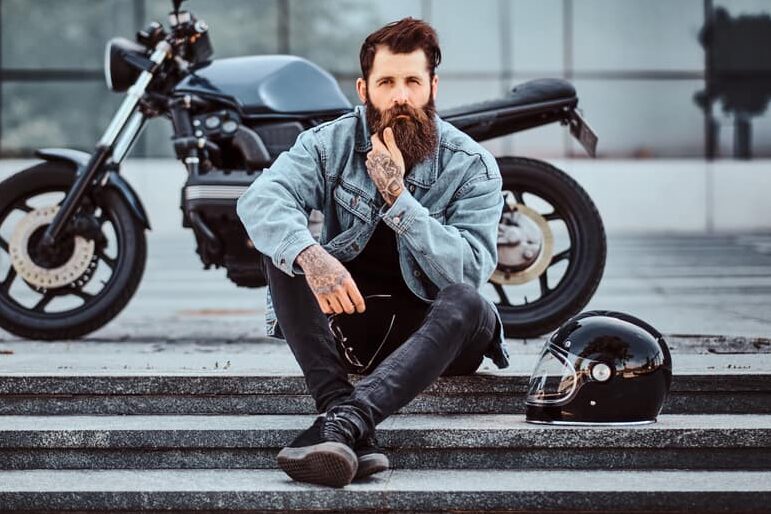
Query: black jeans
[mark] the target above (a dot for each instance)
(449, 337)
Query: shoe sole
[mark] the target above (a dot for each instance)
(371, 464)
(328, 463)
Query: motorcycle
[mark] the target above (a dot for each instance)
(75, 229)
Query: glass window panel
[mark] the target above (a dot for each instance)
(348, 87)
(40, 114)
(537, 36)
(236, 27)
(642, 118)
(454, 92)
(330, 33)
(73, 32)
(617, 35)
(155, 140)
(397, 9)
(470, 35)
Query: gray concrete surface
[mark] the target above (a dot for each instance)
(716, 285)
(445, 430)
(413, 442)
(399, 490)
(264, 357)
(190, 342)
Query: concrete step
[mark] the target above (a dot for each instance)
(737, 389)
(399, 490)
(728, 442)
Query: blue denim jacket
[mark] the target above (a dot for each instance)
(446, 219)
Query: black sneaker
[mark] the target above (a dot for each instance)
(322, 454)
(372, 458)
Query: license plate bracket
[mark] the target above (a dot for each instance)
(581, 130)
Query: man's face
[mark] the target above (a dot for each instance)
(400, 93)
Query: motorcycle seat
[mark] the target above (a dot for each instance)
(533, 92)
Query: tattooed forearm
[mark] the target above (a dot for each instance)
(387, 175)
(324, 273)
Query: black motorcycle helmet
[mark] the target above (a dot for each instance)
(600, 367)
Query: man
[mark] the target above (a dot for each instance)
(411, 208)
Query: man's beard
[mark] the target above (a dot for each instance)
(415, 135)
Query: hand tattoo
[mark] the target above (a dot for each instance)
(324, 273)
(387, 175)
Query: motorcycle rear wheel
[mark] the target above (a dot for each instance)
(568, 264)
(125, 267)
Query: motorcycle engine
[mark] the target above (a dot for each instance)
(209, 208)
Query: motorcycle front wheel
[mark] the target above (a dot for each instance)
(86, 279)
(551, 248)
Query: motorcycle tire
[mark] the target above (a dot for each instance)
(587, 247)
(127, 266)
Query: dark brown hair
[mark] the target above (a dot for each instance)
(402, 37)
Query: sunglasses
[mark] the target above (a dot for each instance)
(350, 328)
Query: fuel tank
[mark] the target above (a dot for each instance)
(267, 84)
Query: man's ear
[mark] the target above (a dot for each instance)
(361, 89)
(434, 86)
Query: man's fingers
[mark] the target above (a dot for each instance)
(345, 302)
(324, 304)
(334, 302)
(388, 136)
(355, 295)
(390, 142)
(377, 145)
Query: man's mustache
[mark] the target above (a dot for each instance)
(414, 115)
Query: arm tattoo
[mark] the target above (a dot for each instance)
(387, 175)
(324, 273)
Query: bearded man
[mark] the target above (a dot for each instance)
(411, 208)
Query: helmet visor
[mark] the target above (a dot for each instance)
(554, 378)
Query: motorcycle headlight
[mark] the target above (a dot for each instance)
(118, 74)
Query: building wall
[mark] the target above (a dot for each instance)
(636, 65)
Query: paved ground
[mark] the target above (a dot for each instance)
(695, 285)
(710, 294)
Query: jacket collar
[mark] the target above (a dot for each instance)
(423, 173)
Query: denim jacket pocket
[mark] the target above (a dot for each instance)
(351, 205)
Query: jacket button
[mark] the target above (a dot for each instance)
(396, 219)
(416, 273)
(412, 188)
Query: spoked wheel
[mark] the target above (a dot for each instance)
(81, 283)
(551, 248)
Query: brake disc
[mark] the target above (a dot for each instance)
(76, 266)
(525, 244)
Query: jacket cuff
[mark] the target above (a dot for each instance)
(402, 212)
(286, 255)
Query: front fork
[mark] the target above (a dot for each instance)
(116, 142)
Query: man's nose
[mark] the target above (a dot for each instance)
(401, 96)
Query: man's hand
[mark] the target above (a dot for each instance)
(385, 166)
(330, 282)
